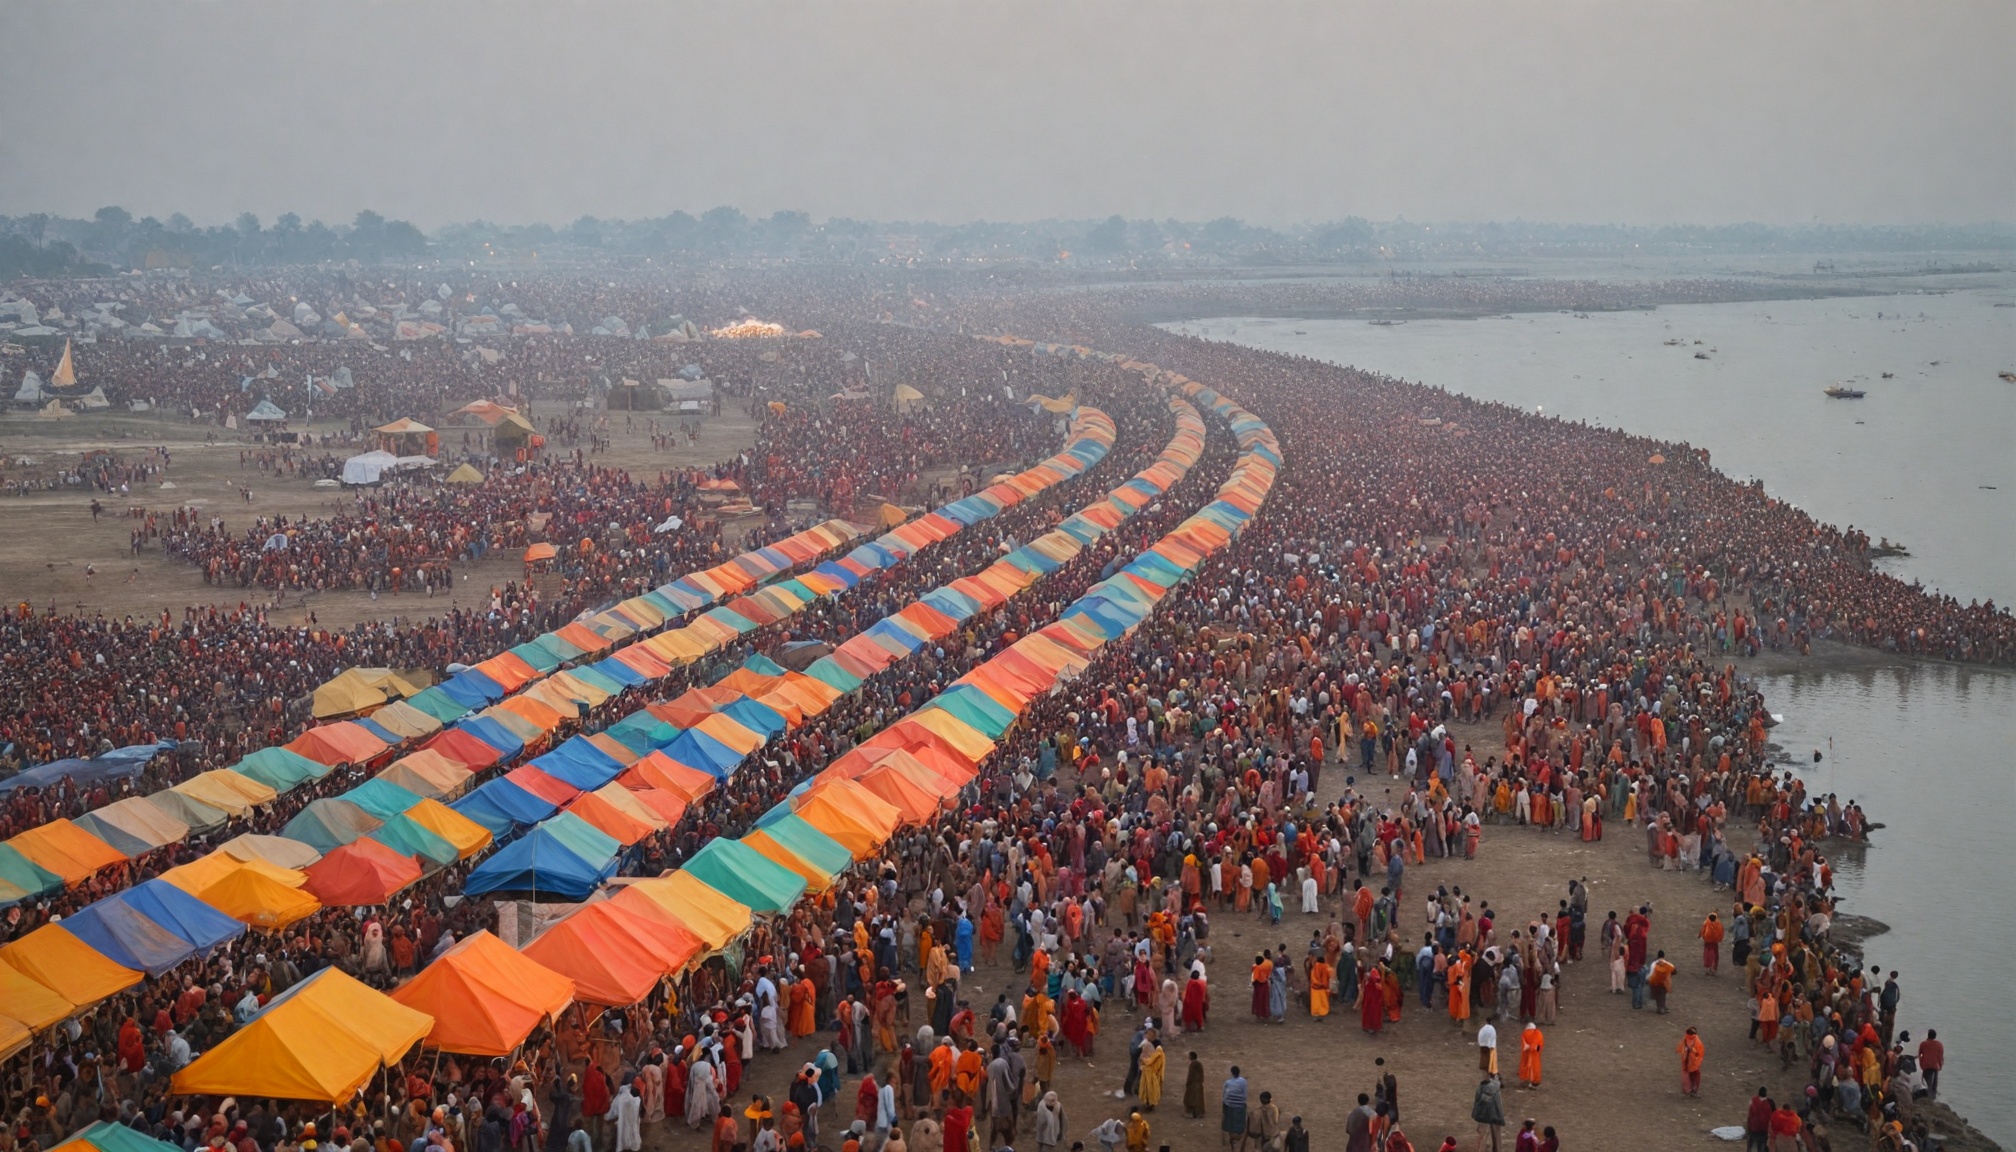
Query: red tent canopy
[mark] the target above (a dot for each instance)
(361, 872)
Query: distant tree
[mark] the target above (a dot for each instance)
(180, 223)
(248, 224)
(403, 240)
(1224, 232)
(587, 232)
(1108, 236)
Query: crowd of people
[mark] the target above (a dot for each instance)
(1216, 764)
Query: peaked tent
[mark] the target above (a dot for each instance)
(485, 996)
(122, 934)
(322, 1040)
(360, 873)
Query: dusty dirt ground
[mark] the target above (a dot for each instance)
(1612, 1076)
(50, 538)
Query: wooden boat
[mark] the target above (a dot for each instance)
(1843, 392)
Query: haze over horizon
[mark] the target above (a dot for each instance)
(1712, 112)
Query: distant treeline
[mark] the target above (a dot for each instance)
(45, 245)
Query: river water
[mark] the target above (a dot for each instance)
(1928, 459)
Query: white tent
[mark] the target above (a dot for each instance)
(266, 410)
(368, 468)
(30, 391)
(95, 398)
(371, 467)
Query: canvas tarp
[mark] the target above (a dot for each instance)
(122, 934)
(614, 954)
(790, 841)
(461, 833)
(54, 958)
(717, 919)
(278, 851)
(851, 815)
(485, 996)
(360, 873)
(427, 773)
(133, 826)
(106, 1136)
(246, 894)
(224, 789)
(746, 876)
(67, 850)
(280, 769)
(320, 1041)
(30, 1002)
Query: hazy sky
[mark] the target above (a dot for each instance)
(1627, 111)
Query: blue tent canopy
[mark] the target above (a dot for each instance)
(951, 602)
(696, 749)
(834, 570)
(494, 734)
(580, 764)
(502, 807)
(902, 637)
(614, 669)
(118, 764)
(471, 688)
(540, 862)
(122, 935)
(201, 925)
(756, 716)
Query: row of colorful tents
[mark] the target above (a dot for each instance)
(523, 695)
(363, 847)
(710, 730)
(326, 1038)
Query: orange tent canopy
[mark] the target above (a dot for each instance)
(67, 966)
(485, 996)
(625, 828)
(913, 791)
(714, 918)
(60, 846)
(508, 671)
(667, 806)
(856, 818)
(614, 954)
(661, 771)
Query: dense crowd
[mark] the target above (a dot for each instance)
(1405, 578)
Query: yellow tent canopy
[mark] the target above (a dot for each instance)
(230, 791)
(204, 871)
(465, 834)
(66, 370)
(346, 694)
(29, 1002)
(466, 474)
(67, 966)
(250, 896)
(322, 1040)
(714, 918)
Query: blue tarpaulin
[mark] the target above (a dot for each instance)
(696, 749)
(502, 807)
(117, 931)
(541, 862)
(201, 925)
(118, 764)
(494, 734)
